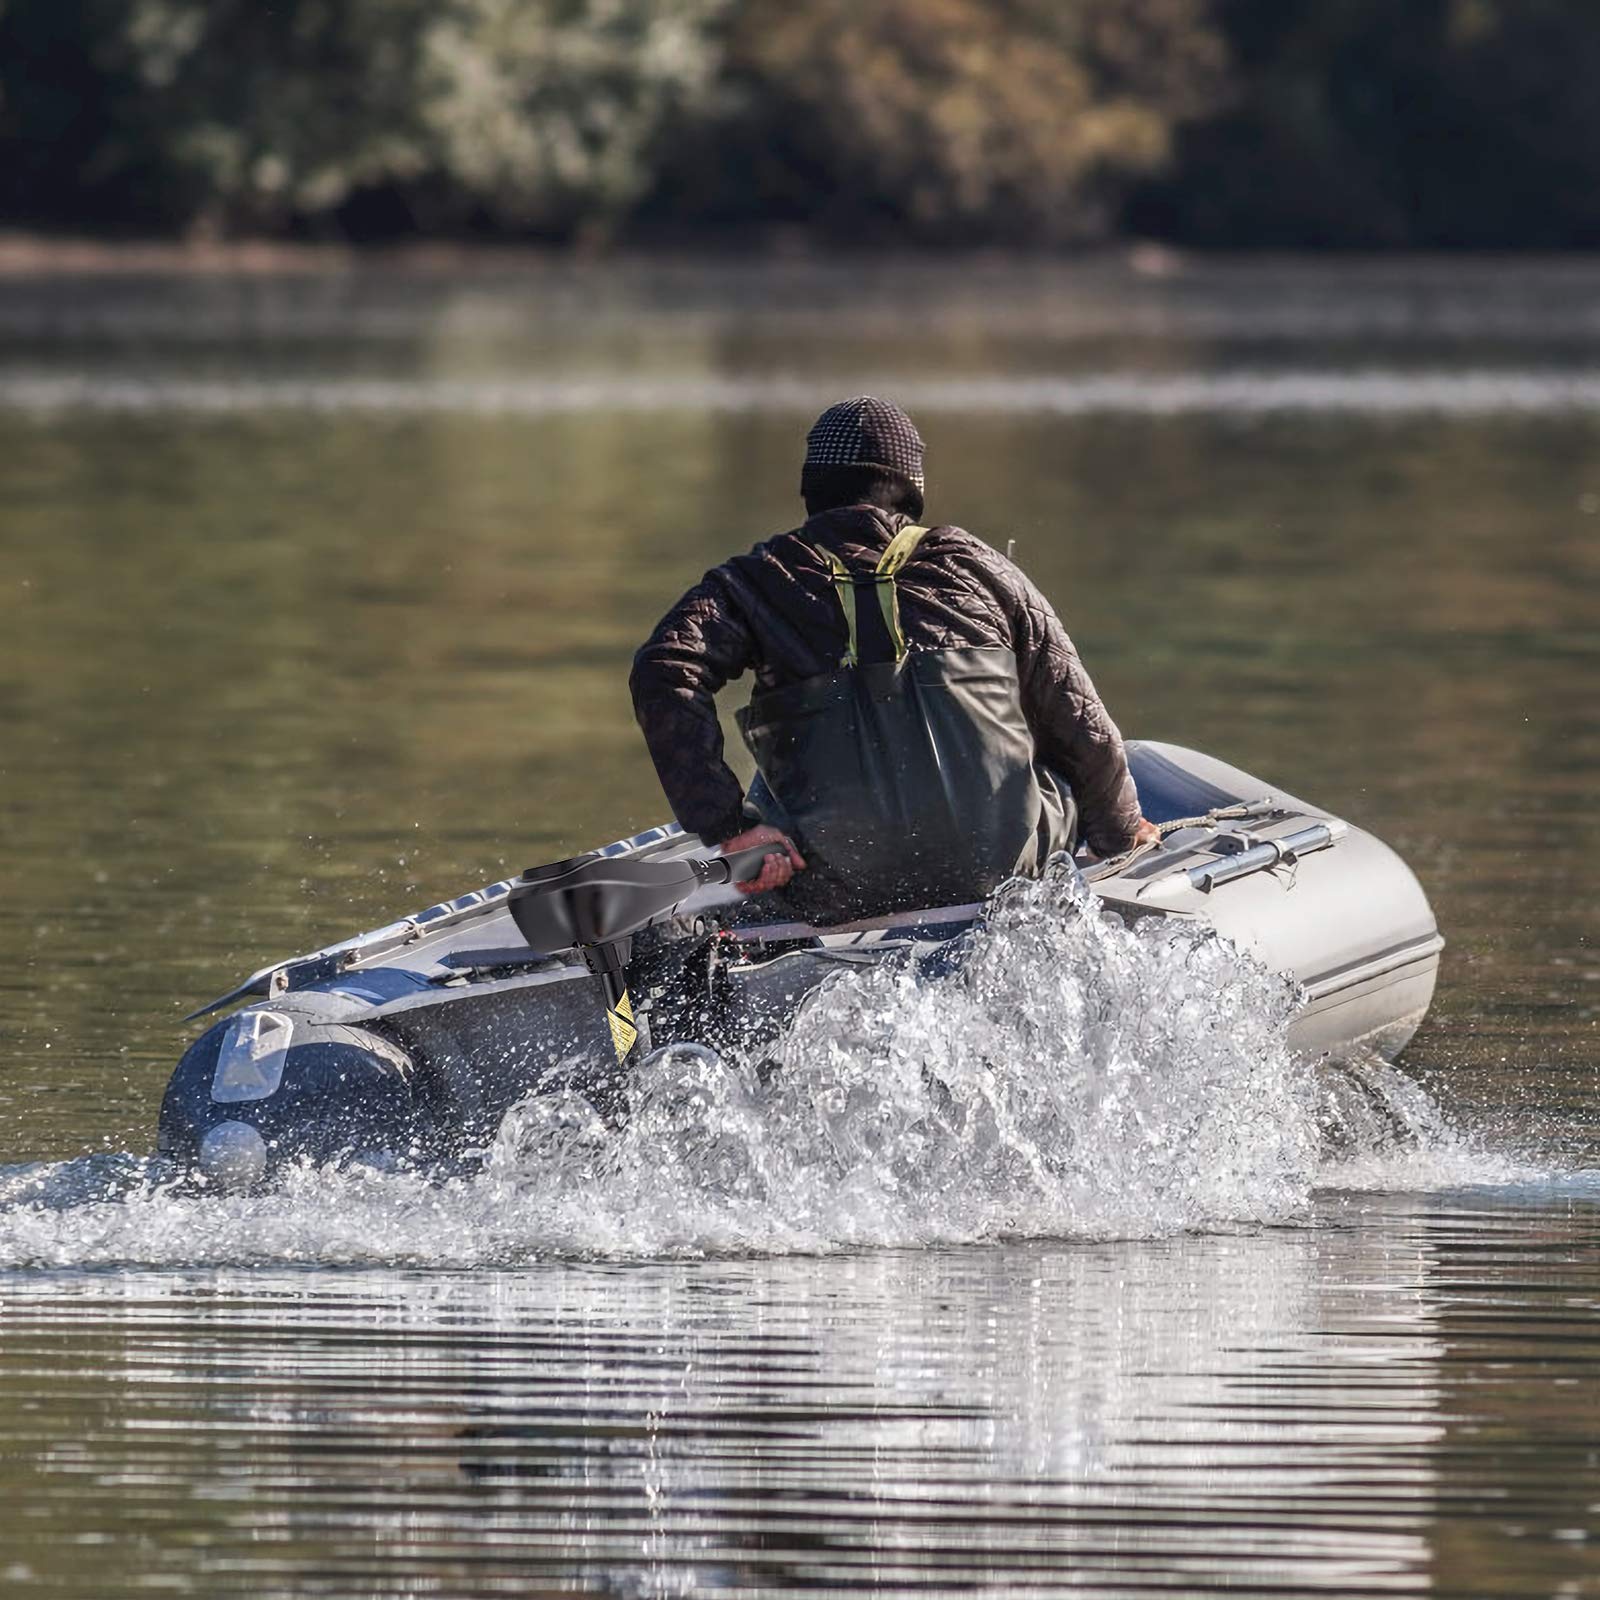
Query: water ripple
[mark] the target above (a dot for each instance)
(1539, 392)
(1293, 1412)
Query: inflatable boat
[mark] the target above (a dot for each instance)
(408, 1044)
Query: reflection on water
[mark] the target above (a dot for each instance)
(317, 600)
(1325, 1410)
(1239, 394)
(506, 303)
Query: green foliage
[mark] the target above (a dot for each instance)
(546, 113)
(204, 113)
(1349, 122)
(264, 113)
(71, 148)
(959, 120)
(533, 116)
(1424, 124)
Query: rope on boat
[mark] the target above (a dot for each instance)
(1238, 812)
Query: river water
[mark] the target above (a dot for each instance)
(317, 601)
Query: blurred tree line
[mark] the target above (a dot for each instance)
(1372, 123)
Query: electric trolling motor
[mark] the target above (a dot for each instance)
(597, 903)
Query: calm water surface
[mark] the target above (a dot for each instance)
(316, 605)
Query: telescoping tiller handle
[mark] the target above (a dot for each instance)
(595, 904)
(743, 866)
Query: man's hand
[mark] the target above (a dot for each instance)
(1147, 833)
(777, 869)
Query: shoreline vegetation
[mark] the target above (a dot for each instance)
(25, 255)
(778, 126)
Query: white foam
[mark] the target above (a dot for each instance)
(1070, 1079)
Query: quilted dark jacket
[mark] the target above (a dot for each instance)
(776, 613)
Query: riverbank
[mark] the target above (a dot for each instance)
(30, 255)
(33, 254)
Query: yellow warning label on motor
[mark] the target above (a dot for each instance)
(623, 1032)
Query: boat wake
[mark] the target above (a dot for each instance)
(1069, 1078)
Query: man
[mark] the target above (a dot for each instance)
(921, 725)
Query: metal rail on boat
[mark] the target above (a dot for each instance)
(1264, 854)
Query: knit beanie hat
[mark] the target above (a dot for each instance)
(863, 432)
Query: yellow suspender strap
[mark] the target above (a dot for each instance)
(883, 576)
(846, 587)
(900, 551)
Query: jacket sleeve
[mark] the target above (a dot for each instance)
(702, 643)
(1071, 726)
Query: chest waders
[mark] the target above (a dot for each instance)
(906, 777)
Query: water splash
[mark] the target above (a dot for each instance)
(1068, 1078)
